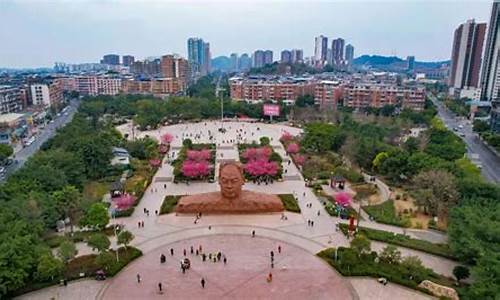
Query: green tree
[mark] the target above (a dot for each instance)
(412, 144)
(5, 152)
(360, 244)
(379, 159)
(68, 200)
(388, 110)
(125, 237)
(460, 272)
(67, 251)
(348, 258)
(96, 216)
(322, 137)
(105, 260)
(390, 254)
(304, 100)
(49, 267)
(187, 143)
(486, 274)
(480, 126)
(264, 141)
(99, 241)
(436, 191)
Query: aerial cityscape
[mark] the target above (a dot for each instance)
(250, 149)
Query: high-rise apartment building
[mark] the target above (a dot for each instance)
(466, 56)
(349, 53)
(234, 62)
(258, 59)
(320, 50)
(490, 77)
(245, 62)
(297, 56)
(337, 52)
(268, 57)
(199, 56)
(410, 63)
(127, 60)
(111, 59)
(286, 57)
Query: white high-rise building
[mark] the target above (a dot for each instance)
(320, 50)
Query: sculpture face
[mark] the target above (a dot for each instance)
(231, 181)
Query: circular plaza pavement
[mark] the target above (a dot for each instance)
(297, 274)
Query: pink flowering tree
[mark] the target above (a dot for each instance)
(293, 148)
(260, 167)
(286, 137)
(155, 162)
(299, 159)
(195, 169)
(198, 155)
(167, 138)
(124, 202)
(261, 153)
(343, 199)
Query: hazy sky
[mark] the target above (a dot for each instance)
(39, 32)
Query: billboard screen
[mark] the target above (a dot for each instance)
(271, 110)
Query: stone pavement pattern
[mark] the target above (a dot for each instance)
(296, 273)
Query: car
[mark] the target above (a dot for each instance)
(2, 170)
(455, 129)
(461, 134)
(460, 126)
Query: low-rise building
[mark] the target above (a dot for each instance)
(372, 95)
(11, 99)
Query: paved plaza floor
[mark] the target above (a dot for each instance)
(244, 277)
(296, 274)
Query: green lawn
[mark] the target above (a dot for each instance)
(386, 213)
(289, 202)
(169, 204)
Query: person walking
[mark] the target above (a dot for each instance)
(225, 260)
(160, 288)
(192, 249)
(138, 278)
(172, 251)
(279, 249)
(203, 282)
(270, 277)
(272, 254)
(253, 233)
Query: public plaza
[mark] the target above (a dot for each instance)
(297, 273)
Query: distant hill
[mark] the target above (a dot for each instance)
(393, 62)
(221, 63)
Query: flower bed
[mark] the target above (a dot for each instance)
(195, 162)
(260, 162)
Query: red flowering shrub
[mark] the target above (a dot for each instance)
(260, 167)
(299, 159)
(343, 199)
(198, 155)
(124, 202)
(167, 138)
(286, 137)
(194, 169)
(292, 148)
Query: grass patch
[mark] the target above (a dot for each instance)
(84, 265)
(95, 190)
(404, 241)
(54, 240)
(349, 263)
(386, 213)
(289, 202)
(169, 204)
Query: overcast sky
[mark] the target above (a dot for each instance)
(38, 32)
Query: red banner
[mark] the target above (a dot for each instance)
(271, 110)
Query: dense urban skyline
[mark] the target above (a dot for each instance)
(83, 31)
